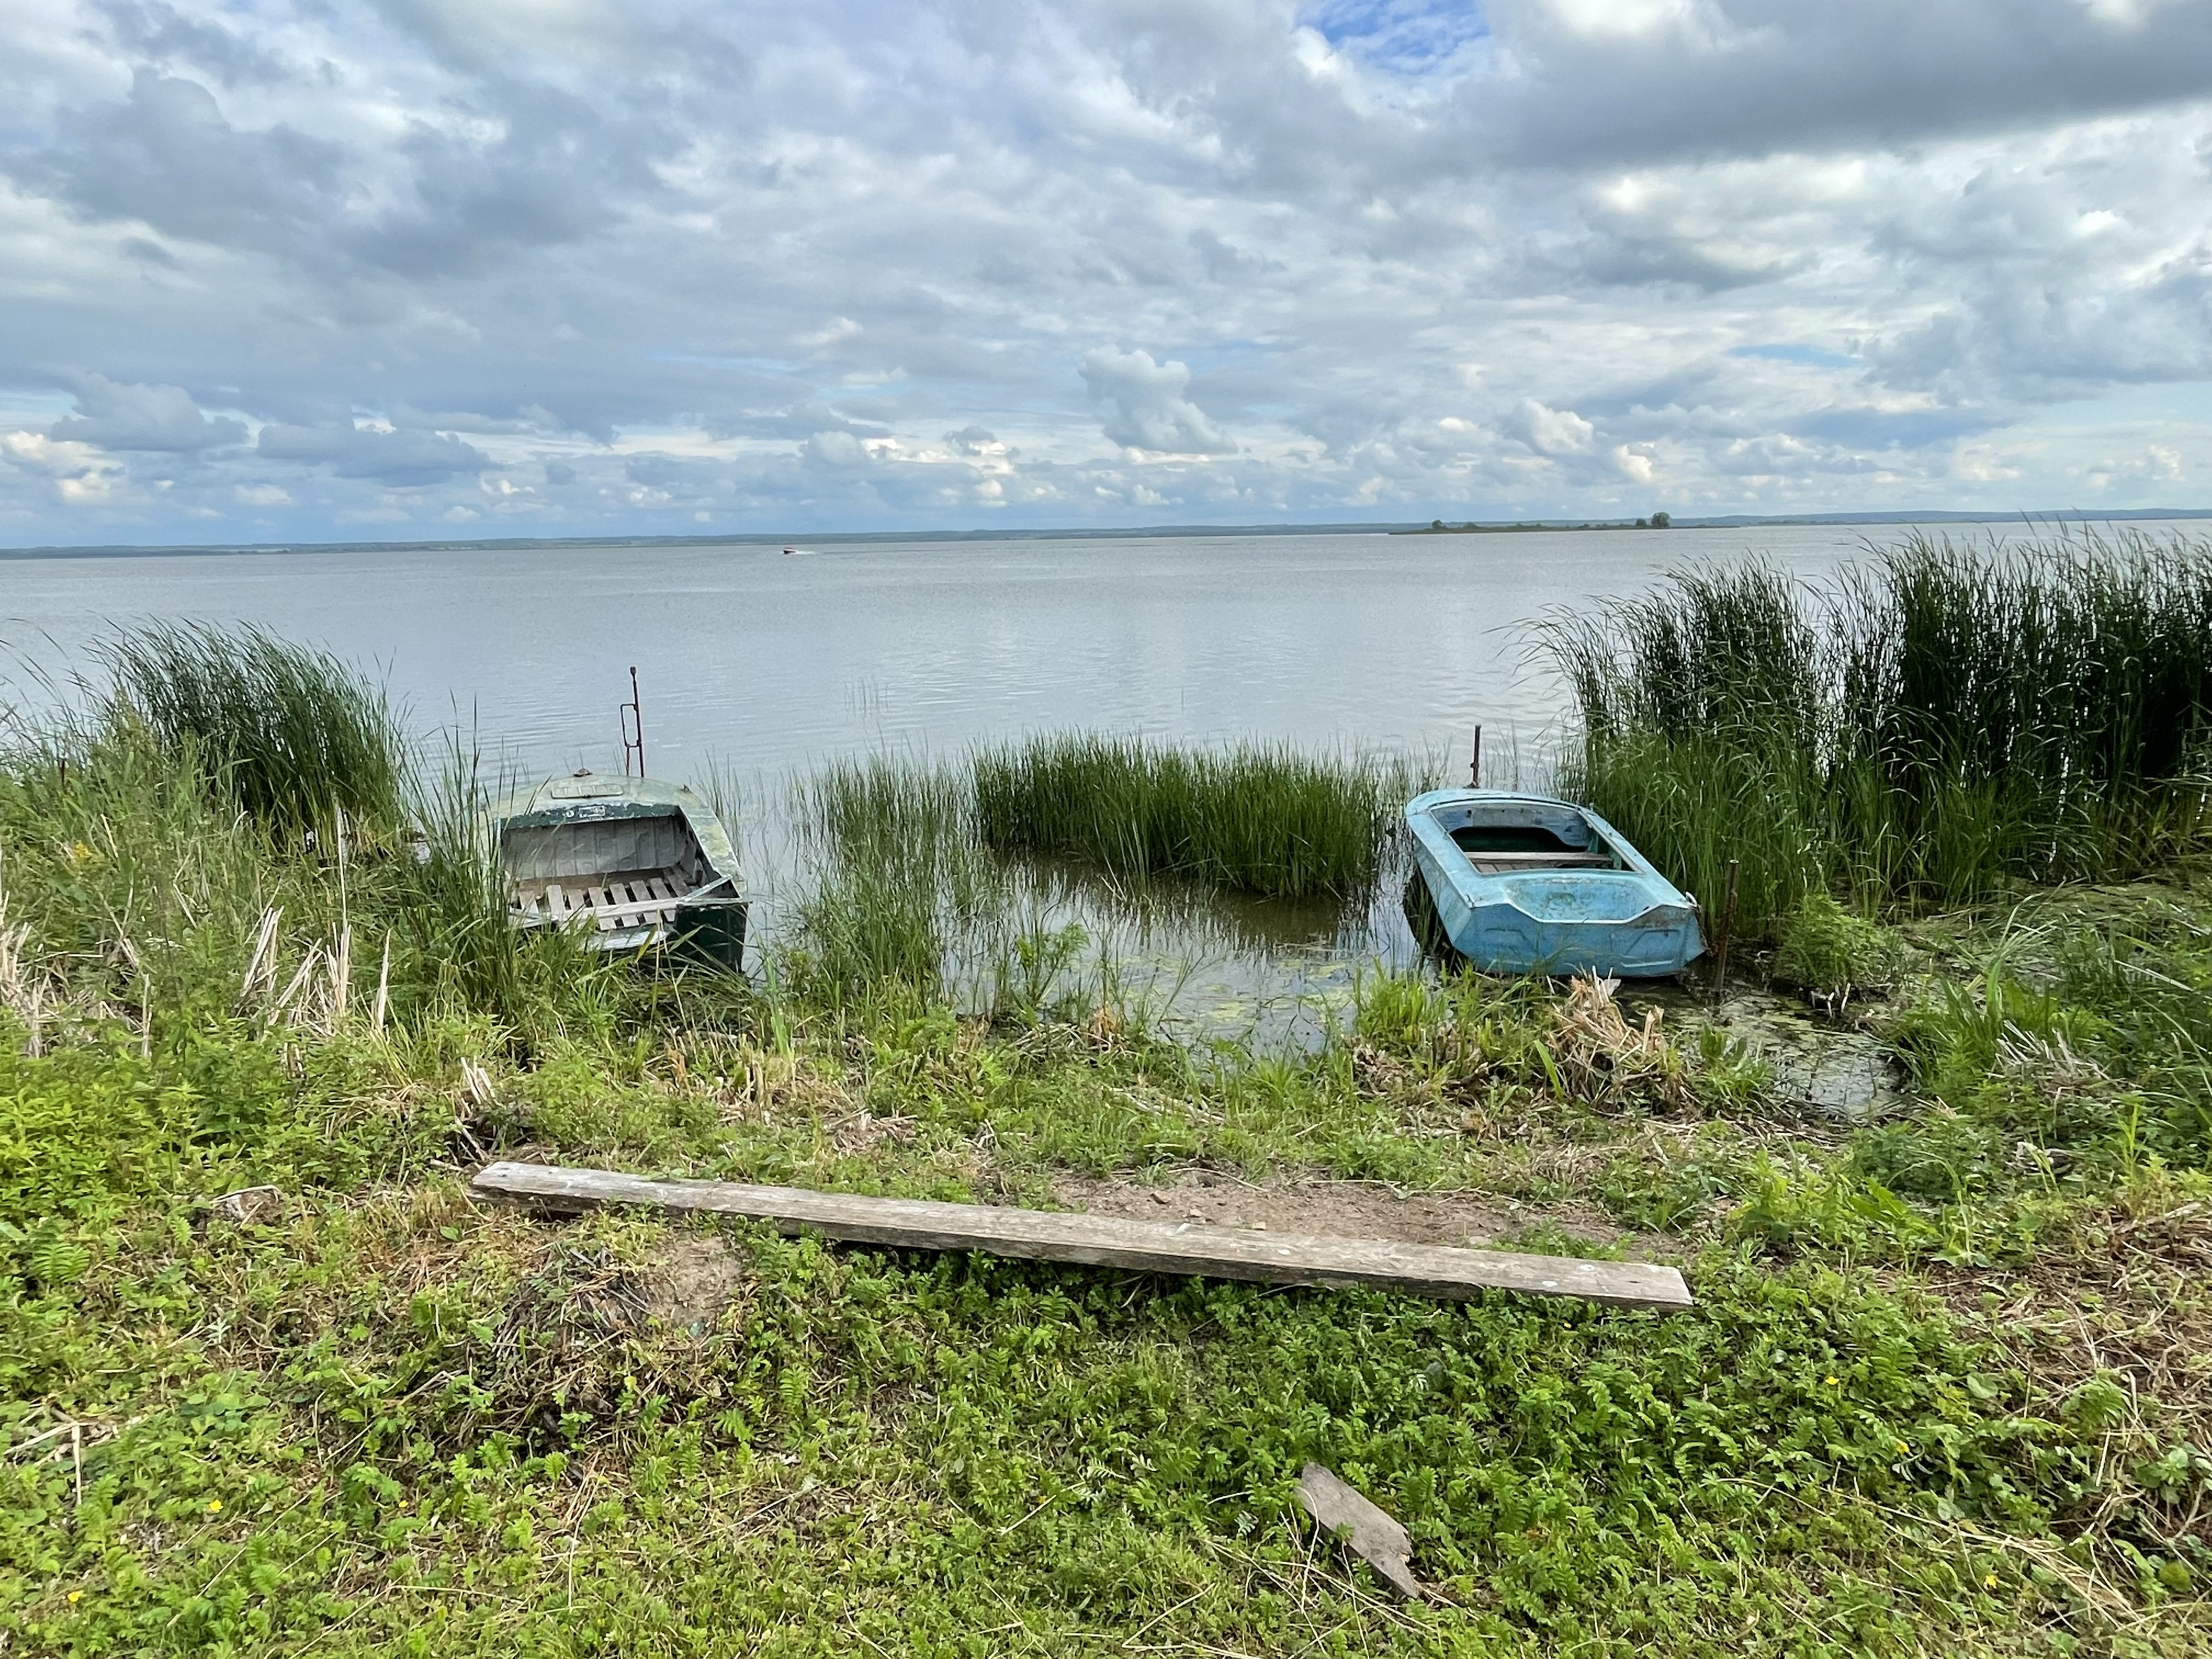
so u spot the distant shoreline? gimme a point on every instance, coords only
(764, 539)
(1530, 527)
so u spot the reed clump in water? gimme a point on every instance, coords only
(899, 877)
(291, 733)
(1266, 819)
(1942, 718)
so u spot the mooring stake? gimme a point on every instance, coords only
(1727, 930)
(1475, 766)
(633, 728)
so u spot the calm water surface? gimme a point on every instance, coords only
(756, 665)
(762, 662)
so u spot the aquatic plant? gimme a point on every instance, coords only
(887, 809)
(291, 733)
(1941, 718)
(1267, 819)
(898, 889)
(1828, 951)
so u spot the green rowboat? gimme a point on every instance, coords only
(628, 864)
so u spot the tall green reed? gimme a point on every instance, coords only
(151, 845)
(1266, 819)
(1942, 717)
(291, 733)
(898, 881)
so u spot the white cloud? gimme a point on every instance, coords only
(1632, 19)
(582, 266)
(1549, 431)
(390, 458)
(113, 415)
(1149, 410)
(76, 473)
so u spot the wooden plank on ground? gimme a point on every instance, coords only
(1103, 1241)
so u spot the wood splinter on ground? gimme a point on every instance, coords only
(1100, 1241)
(1375, 1538)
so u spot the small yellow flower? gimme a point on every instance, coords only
(1830, 1380)
(1992, 1581)
(215, 1506)
(1902, 1449)
(76, 1595)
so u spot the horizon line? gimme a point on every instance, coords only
(1707, 521)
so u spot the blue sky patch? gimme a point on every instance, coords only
(1811, 356)
(1405, 37)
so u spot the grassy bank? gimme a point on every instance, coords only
(1942, 719)
(1942, 1392)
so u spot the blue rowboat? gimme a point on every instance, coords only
(1526, 884)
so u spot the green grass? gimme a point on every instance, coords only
(292, 733)
(1828, 953)
(1937, 1397)
(1942, 719)
(1271, 820)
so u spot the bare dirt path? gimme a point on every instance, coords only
(1347, 1209)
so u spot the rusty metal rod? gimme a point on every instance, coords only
(1727, 932)
(632, 725)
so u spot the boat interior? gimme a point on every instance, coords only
(1503, 838)
(617, 873)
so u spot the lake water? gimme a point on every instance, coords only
(761, 661)
(757, 663)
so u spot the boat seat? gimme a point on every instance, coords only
(607, 902)
(1489, 862)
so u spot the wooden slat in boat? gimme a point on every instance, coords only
(1501, 862)
(629, 913)
(1104, 1240)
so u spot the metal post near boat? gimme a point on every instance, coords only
(632, 729)
(1728, 929)
(1475, 766)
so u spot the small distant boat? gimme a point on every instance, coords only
(1528, 884)
(627, 863)
(788, 551)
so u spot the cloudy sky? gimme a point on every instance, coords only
(279, 269)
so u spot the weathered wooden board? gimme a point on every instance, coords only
(1104, 1240)
(1375, 1537)
(626, 913)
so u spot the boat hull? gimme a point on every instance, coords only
(624, 865)
(1624, 920)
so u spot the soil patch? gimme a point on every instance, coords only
(1345, 1209)
(695, 1278)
